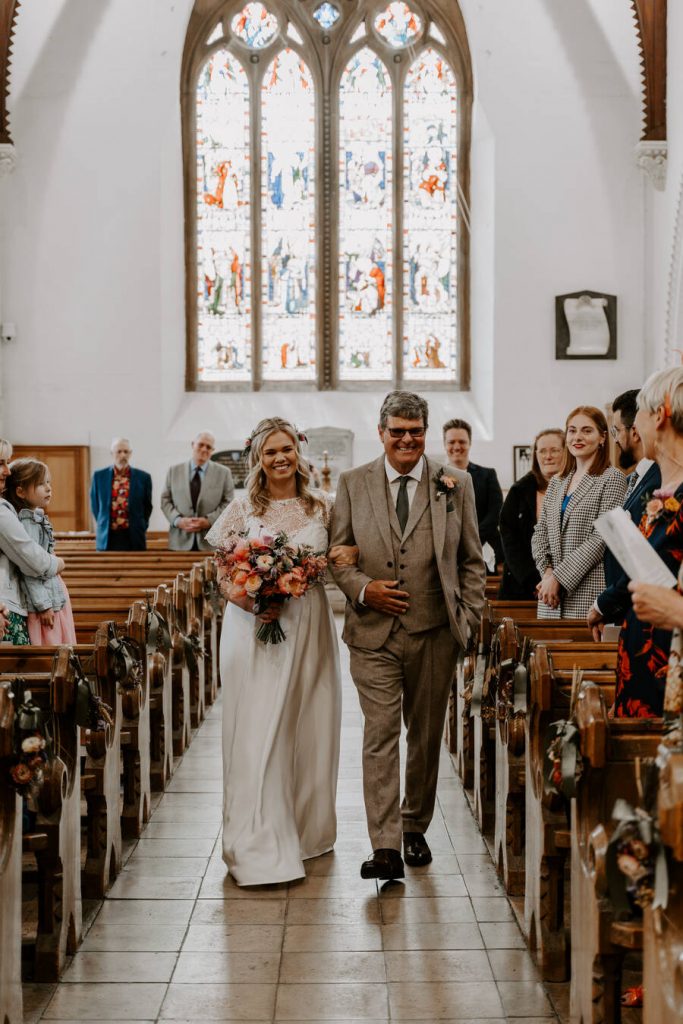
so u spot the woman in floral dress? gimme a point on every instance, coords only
(643, 647)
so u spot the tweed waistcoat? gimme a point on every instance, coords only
(414, 563)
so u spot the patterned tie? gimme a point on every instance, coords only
(402, 505)
(195, 488)
(632, 484)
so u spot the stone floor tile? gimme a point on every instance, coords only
(524, 999)
(328, 886)
(227, 967)
(134, 887)
(417, 886)
(429, 1001)
(334, 911)
(182, 830)
(120, 967)
(512, 965)
(330, 1002)
(438, 965)
(35, 997)
(481, 885)
(501, 935)
(133, 912)
(332, 967)
(246, 911)
(173, 847)
(245, 938)
(106, 1002)
(201, 813)
(219, 1002)
(310, 938)
(151, 938)
(468, 842)
(428, 909)
(492, 908)
(165, 867)
(442, 864)
(432, 936)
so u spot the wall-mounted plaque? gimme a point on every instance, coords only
(522, 458)
(235, 463)
(337, 442)
(586, 326)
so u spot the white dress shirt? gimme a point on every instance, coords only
(394, 476)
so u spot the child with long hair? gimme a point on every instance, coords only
(50, 619)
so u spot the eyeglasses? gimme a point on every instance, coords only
(398, 432)
(548, 451)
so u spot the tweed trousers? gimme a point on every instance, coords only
(409, 677)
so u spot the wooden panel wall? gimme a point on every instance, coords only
(70, 472)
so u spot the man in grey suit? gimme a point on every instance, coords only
(195, 494)
(413, 599)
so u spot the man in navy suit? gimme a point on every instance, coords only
(121, 502)
(644, 478)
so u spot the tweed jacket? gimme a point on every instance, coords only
(450, 555)
(571, 545)
(217, 492)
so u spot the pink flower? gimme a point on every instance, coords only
(653, 507)
(449, 481)
(293, 583)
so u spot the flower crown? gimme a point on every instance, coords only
(249, 441)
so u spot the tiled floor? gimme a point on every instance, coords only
(176, 940)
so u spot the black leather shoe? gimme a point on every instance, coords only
(383, 864)
(415, 849)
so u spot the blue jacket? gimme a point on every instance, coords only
(139, 505)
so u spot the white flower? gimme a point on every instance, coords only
(32, 744)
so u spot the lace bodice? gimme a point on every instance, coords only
(289, 516)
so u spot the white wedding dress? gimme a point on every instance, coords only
(281, 715)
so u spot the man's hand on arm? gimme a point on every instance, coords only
(383, 596)
(596, 622)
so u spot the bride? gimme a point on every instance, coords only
(281, 703)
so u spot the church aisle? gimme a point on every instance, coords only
(176, 940)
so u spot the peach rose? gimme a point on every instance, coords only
(21, 774)
(293, 583)
(239, 578)
(449, 482)
(264, 562)
(653, 508)
(243, 565)
(253, 584)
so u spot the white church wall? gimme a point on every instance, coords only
(91, 231)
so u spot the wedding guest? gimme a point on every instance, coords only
(121, 502)
(195, 494)
(567, 550)
(18, 554)
(644, 646)
(488, 496)
(520, 513)
(612, 604)
(50, 619)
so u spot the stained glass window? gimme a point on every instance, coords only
(255, 25)
(398, 24)
(288, 224)
(430, 211)
(365, 219)
(326, 15)
(328, 195)
(223, 241)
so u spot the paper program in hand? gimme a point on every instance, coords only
(638, 559)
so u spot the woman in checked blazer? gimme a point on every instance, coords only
(567, 550)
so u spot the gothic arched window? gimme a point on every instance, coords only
(326, 154)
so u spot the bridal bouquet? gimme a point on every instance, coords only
(271, 571)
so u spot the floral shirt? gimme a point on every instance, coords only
(644, 651)
(120, 496)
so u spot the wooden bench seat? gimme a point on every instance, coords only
(11, 1008)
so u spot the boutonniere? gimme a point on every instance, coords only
(658, 505)
(444, 484)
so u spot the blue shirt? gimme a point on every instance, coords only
(565, 502)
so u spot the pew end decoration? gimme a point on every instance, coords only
(32, 747)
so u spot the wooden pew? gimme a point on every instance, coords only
(58, 858)
(159, 666)
(610, 747)
(11, 1005)
(547, 838)
(136, 753)
(663, 928)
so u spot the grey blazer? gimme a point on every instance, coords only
(361, 516)
(217, 492)
(571, 545)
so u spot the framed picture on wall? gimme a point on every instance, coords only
(522, 455)
(235, 462)
(586, 326)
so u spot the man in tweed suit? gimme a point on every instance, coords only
(413, 600)
(195, 494)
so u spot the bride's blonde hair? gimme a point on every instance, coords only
(256, 481)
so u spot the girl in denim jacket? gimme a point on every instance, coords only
(50, 619)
